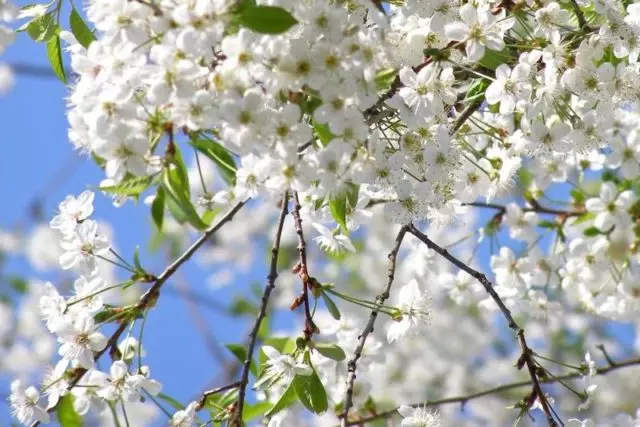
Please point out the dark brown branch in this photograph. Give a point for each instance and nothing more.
(380, 299)
(303, 270)
(498, 389)
(149, 298)
(208, 393)
(582, 22)
(464, 116)
(526, 358)
(236, 418)
(536, 208)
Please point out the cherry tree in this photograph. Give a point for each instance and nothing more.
(449, 190)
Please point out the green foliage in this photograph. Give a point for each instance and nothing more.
(331, 306)
(131, 186)
(220, 156)
(385, 77)
(322, 132)
(80, 30)
(177, 190)
(288, 398)
(332, 351)
(54, 53)
(310, 390)
(265, 19)
(343, 204)
(157, 209)
(67, 415)
(43, 27)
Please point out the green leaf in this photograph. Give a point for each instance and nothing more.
(171, 401)
(287, 399)
(136, 259)
(80, 29)
(18, 284)
(178, 191)
(67, 415)
(492, 59)
(338, 208)
(331, 306)
(591, 232)
(477, 89)
(311, 392)
(332, 351)
(588, 216)
(385, 77)
(132, 186)
(545, 223)
(240, 352)
(254, 411)
(54, 53)
(323, 132)
(266, 19)
(241, 305)
(42, 28)
(220, 156)
(157, 209)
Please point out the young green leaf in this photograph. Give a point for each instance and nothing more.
(67, 415)
(254, 411)
(331, 306)
(332, 351)
(591, 232)
(54, 53)
(178, 196)
(220, 156)
(266, 19)
(311, 392)
(323, 132)
(385, 77)
(80, 29)
(157, 208)
(42, 28)
(131, 186)
(287, 399)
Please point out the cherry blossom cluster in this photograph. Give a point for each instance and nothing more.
(73, 321)
(377, 115)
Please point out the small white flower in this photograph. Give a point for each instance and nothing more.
(81, 248)
(121, 384)
(419, 417)
(414, 307)
(80, 339)
(24, 402)
(72, 211)
(281, 367)
(185, 417)
(331, 242)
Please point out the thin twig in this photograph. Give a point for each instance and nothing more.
(526, 357)
(537, 208)
(236, 419)
(208, 393)
(582, 22)
(149, 298)
(302, 269)
(464, 116)
(380, 299)
(498, 389)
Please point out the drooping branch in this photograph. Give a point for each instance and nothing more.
(149, 298)
(236, 417)
(380, 299)
(612, 366)
(526, 357)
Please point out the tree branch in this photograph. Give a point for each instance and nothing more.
(208, 393)
(536, 208)
(236, 418)
(526, 358)
(149, 298)
(498, 389)
(380, 299)
(303, 271)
